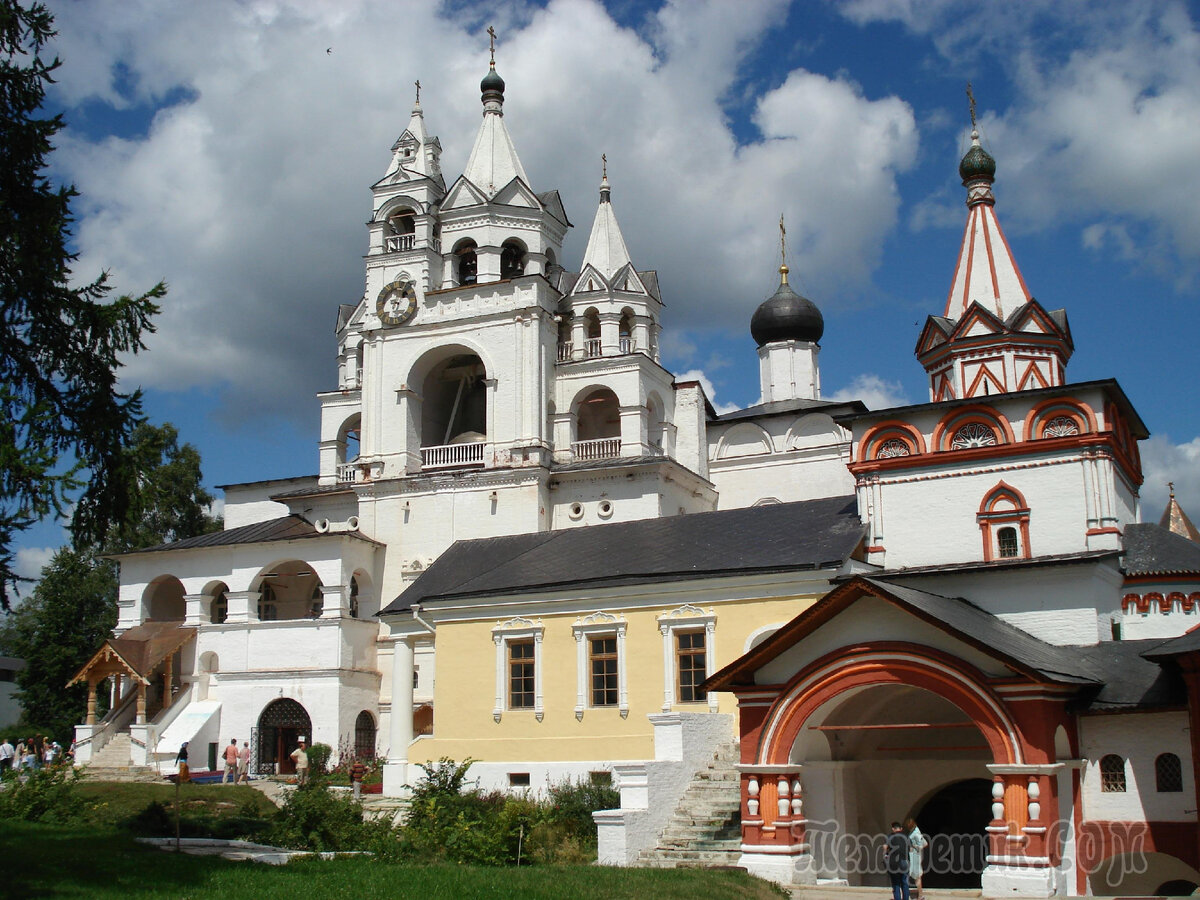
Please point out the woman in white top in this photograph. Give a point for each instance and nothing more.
(916, 843)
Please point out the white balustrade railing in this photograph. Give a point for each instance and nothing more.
(451, 456)
(591, 348)
(564, 351)
(628, 345)
(349, 473)
(601, 448)
(398, 243)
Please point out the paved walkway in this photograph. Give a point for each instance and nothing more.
(842, 892)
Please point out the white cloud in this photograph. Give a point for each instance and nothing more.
(709, 390)
(874, 391)
(248, 195)
(1165, 461)
(28, 562)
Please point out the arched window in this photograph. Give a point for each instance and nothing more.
(512, 259)
(893, 447)
(1112, 774)
(1003, 519)
(1168, 774)
(317, 602)
(591, 331)
(468, 263)
(625, 331)
(364, 736)
(219, 610)
(354, 598)
(268, 610)
(1060, 426)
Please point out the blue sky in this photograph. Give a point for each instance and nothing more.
(220, 147)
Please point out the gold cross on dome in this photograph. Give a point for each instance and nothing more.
(492, 43)
(418, 84)
(971, 98)
(782, 240)
(604, 165)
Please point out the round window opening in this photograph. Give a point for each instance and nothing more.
(605, 509)
(575, 510)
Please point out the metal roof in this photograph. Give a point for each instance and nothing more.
(1153, 550)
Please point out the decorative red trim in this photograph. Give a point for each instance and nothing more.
(1100, 840)
(958, 262)
(911, 664)
(1012, 259)
(1032, 369)
(886, 429)
(1172, 598)
(990, 517)
(1038, 416)
(985, 372)
(876, 549)
(1110, 530)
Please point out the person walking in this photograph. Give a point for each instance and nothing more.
(357, 771)
(7, 752)
(231, 759)
(300, 758)
(916, 843)
(243, 764)
(896, 862)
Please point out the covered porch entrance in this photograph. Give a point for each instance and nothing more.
(280, 726)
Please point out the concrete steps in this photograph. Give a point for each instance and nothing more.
(113, 763)
(706, 828)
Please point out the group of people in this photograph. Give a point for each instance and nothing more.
(35, 753)
(903, 859)
(237, 763)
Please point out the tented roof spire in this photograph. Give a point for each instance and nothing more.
(493, 162)
(606, 251)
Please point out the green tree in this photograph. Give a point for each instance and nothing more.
(74, 606)
(63, 423)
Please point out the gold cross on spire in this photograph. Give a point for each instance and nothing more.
(418, 84)
(492, 43)
(604, 165)
(783, 266)
(1171, 488)
(971, 98)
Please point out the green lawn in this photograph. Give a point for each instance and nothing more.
(109, 802)
(51, 861)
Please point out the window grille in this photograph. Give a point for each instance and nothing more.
(1168, 774)
(1007, 543)
(1112, 774)
(892, 448)
(1060, 426)
(973, 434)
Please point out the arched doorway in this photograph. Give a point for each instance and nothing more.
(954, 821)
(876, 753)
(280, 726)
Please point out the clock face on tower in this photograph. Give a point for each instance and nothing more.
(397, 302)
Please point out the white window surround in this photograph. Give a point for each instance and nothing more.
(598, 624)
(687, 618)
(517, 629)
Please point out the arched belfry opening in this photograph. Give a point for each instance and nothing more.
(454, 401)
(884, 752)
(598, 426)
(512, 258)
(402, 228)
(466, 262)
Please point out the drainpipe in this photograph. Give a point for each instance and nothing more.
(416, 613)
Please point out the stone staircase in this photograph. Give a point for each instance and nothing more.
(705, 831)
(112, 763)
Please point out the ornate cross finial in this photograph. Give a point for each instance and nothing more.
(418, 84)
(1171, 488)
(492, 43)
(782, 241)
(604, 165)
(971, 98)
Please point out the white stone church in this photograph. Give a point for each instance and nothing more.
(528, 543)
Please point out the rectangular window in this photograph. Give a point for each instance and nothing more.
(689, 666)
(603, 660)
(520, 675)
(518, 779)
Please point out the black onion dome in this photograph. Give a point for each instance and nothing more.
(977, 163)
(492, 82)
(787, 316)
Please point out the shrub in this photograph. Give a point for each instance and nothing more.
(45, 795)
(313, 818)
(318, 758)
(157, 819)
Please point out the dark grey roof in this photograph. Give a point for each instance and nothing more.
(650, 280)
(1153, 550)
(1056, 559)
(780, 407)
(810, 534)
(285, 528)
(316, 490)
(615, 462)
(1188, 642)
(1130, 680)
